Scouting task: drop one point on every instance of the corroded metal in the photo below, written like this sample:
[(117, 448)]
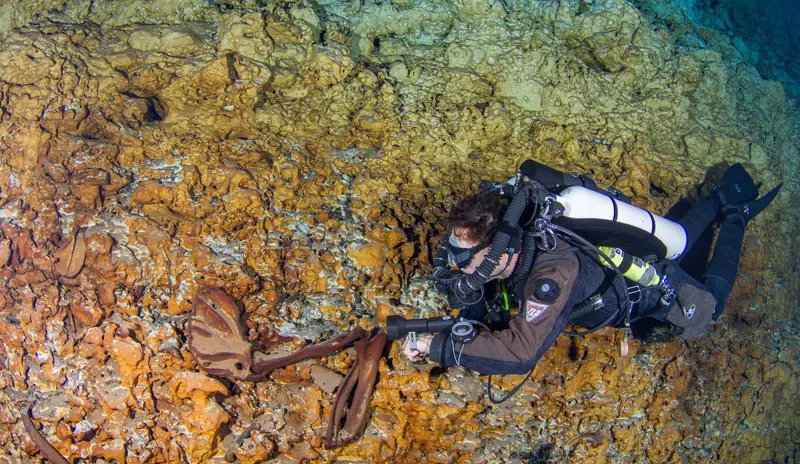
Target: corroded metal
[(218, 344), (217, 335), (47, 450)]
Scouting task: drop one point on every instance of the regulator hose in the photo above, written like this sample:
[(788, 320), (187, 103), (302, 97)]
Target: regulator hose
[(525, 265), (441, 275), (464, 285), (625, 298)]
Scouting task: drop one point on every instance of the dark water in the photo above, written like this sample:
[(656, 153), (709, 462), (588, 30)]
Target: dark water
[(770, 31)]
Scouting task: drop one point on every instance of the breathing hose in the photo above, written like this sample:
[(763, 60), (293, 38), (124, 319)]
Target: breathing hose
[(441, 275), (525, 265), (463, 285)]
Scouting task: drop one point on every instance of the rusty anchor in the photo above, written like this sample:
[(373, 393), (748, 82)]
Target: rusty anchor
[(217, 342)]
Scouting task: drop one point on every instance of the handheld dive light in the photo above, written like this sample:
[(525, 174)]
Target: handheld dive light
[(398, 327)]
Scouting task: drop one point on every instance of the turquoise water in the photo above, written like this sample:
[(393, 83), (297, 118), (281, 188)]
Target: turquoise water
[(769, 34), (765, 33)]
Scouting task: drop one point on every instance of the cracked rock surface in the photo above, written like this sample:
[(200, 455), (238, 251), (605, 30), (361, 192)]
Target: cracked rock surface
[(302, 156)]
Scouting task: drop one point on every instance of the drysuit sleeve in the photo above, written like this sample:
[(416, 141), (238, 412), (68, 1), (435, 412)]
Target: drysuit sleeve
[(517, 349)]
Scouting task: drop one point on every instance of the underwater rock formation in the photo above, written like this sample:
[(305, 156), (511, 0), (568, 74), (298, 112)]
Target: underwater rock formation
[(302, 157), (764, 34)]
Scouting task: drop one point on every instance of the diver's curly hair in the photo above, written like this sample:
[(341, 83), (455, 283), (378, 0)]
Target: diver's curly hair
[(478, 215)]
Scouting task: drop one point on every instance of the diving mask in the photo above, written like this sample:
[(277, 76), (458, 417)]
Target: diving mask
[(459, 254)]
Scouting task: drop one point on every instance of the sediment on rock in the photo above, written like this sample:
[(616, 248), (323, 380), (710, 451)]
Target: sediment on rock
[(302, 157)]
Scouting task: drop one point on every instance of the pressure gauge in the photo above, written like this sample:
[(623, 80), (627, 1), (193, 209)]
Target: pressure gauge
[(463, 332)]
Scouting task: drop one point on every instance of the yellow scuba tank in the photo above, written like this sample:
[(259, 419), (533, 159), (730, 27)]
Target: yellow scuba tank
[(633, 268)]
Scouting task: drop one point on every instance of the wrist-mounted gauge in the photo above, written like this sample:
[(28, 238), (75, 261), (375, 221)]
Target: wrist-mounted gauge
[(463, 332)]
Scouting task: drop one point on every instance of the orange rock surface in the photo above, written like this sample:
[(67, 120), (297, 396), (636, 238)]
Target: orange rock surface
[(151, 148)]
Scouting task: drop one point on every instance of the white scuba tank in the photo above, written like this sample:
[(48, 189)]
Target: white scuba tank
[(583, 203)]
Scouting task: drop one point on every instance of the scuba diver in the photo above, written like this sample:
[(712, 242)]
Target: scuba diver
[(582, 256)]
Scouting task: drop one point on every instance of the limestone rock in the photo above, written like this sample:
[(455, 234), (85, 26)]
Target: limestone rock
[(246, 35), (304, 158), (370, 255)]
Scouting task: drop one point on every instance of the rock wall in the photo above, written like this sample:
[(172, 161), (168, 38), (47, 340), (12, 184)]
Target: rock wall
[(302, 156), (764, 34)]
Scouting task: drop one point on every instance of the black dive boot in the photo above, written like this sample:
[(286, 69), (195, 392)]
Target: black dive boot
[(737, 187), (745, 212), (722, 269)]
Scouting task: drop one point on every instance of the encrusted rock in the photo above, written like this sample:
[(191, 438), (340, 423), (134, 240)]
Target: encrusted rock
[(304, 158)]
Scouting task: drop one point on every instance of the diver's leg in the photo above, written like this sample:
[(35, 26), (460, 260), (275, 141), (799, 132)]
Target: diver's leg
[(697, 219), (722, 269), (724, 265), (736, 188)]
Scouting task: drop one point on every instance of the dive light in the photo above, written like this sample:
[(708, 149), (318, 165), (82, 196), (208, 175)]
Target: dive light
[(398, 327)]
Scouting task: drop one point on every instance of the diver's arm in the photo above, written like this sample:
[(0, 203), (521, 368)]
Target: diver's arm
[(516, 349)]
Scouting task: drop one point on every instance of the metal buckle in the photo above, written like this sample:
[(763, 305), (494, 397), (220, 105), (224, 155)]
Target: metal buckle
[(548, 240), (637, 291)]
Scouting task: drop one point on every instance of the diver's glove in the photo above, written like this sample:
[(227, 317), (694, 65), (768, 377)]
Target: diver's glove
[(417, 346)]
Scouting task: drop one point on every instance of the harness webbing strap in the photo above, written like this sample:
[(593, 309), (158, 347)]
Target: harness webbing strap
[(616, 210), (626, 263)]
